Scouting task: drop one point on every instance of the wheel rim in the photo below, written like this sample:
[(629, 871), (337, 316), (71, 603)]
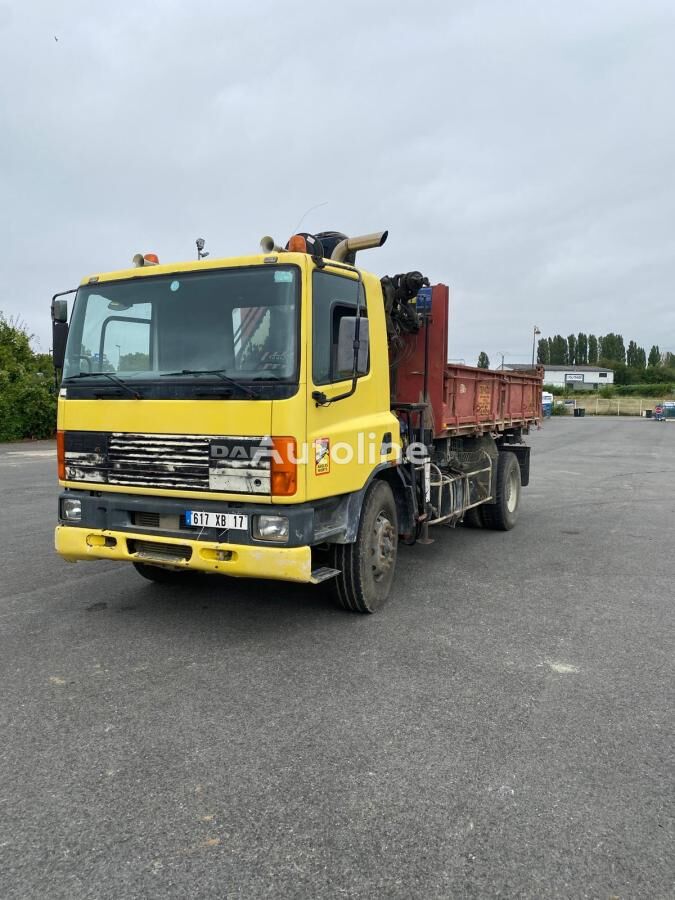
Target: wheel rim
[(513, 490), (382, 547)]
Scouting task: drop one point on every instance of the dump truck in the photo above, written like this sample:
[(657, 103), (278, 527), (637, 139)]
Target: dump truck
[(284, 415)]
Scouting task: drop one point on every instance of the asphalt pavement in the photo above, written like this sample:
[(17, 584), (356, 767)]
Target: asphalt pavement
[(503, 728)]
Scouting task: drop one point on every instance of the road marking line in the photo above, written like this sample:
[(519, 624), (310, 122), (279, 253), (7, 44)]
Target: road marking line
[(564, 668), (28, 453)]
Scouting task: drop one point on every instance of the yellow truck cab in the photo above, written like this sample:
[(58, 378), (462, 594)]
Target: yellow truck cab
[(234, 417)]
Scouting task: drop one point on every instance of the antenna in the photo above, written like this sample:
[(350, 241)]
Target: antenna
[(306, 213), (201, 252)]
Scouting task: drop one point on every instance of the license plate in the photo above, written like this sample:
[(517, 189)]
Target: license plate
[(199, 519)]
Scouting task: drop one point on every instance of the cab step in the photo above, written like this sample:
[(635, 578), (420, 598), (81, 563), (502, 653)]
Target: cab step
[(323, 573)]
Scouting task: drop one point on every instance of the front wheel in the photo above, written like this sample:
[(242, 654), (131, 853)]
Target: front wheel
[(367, 566), (502, 515)]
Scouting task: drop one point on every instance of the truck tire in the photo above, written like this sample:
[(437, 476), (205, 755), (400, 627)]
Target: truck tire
[(502, 515), (367, 566), (159, 573)]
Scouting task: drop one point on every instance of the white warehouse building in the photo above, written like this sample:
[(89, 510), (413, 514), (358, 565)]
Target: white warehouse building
[(583, 378)]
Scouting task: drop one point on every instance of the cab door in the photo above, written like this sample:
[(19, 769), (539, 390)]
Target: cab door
[(346, 438)]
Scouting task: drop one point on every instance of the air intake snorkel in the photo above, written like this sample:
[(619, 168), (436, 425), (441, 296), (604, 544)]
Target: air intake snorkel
[(351, 245)]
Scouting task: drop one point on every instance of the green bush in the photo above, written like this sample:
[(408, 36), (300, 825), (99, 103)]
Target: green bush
[(658, 375), (559, 409), (645, 390), (27, 395), (607, 392)]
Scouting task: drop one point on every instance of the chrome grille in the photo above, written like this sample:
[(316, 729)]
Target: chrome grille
[(159, 460), (225, 463)]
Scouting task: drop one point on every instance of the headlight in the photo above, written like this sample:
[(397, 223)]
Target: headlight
[(270, 528), (71, 509)]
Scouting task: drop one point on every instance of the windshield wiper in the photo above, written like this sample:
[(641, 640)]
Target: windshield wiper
[(219, 374), (114, 378)]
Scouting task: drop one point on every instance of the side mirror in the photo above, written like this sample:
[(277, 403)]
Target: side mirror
[(60, 328), (60, 311), (345, 349), (59, 338), (59, 332)]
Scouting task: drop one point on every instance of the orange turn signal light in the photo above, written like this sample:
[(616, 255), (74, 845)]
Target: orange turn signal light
[(60, 455), (284, 468)]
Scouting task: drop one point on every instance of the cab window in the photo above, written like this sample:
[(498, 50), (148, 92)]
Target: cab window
[(333, 296)]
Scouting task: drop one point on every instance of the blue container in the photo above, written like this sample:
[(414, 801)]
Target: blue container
[(547, 403)]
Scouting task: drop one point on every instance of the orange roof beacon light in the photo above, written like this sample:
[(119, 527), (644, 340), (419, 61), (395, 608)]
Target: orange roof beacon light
[(303, 242), (149, 259), (297, 244)]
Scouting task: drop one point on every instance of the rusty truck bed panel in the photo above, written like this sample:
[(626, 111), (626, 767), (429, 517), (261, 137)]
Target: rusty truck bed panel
[(462, 399), (481, 399)]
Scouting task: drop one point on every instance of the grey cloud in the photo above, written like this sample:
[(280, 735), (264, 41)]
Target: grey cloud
[(520, 152)]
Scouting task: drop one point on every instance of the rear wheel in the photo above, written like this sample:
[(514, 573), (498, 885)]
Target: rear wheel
[(160, 574), (367, 566), (502, 515)]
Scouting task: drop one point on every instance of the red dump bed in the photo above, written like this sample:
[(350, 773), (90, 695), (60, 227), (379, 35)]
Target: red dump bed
[(463, 400)]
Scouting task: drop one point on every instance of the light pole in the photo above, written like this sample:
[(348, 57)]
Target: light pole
[(534, 341)]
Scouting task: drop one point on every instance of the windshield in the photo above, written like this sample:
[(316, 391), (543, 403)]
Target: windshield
[(242, 323)]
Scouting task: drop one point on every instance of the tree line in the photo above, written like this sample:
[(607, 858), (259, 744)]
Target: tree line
[(631, 364), (607, 350), (588, 350), (27, 392)]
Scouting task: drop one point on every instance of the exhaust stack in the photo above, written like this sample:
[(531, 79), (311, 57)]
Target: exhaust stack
[(360, 242)]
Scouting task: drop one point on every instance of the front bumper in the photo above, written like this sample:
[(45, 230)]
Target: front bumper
[(238, 560)]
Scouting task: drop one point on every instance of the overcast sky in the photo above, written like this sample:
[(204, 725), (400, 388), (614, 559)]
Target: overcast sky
[(521, 152)]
